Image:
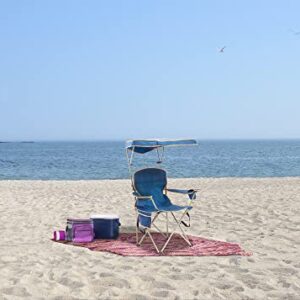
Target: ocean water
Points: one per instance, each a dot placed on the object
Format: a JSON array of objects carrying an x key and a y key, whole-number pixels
[{"x": 106, "y": 160}]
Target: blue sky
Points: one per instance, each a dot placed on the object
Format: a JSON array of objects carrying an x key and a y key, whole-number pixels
[{"x": 90, "y": 70}]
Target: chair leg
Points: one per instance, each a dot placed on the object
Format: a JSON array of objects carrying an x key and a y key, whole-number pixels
[
  {"x": 142, "y": 238},
  {"x": 167, "y": 242},
  {"x": 183, "y": 235},
  {"x": 157, "y": 250},
  {"x": 138, "y": 243},
  {"x": 152, "y": 224},
  {"x": 167, "y": 224},
  {"x": 168, "y": 236},
  {"x": 182, "y": 231},
  {"x": 137, "y": 235},
  {"x": 148, "y": 232}
]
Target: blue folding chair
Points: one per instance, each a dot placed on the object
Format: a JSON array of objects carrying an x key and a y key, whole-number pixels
[{"x": 151, "y": 201}]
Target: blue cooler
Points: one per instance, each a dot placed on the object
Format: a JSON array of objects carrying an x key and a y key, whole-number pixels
[{"x": 106, "y": 226}]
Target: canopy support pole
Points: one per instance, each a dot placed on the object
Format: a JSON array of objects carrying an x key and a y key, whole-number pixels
[
  {"x": 131, "y": 156},
  {"x": 160, "y": 155},
  {"x": 129, "y": 159}
]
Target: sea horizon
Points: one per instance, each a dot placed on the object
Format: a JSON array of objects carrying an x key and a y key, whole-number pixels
[{"x": 142, "y": 138}]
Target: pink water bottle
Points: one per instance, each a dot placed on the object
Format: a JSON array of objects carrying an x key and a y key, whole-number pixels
[{"x": 59, "y": 235}]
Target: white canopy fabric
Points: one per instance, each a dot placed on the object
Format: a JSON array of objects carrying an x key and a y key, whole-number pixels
[{"x": 145, "y": 145}]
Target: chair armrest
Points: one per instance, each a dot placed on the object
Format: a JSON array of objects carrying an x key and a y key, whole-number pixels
[
  {"x": 191, "y": 193},
  {"x": 139, "y": 197}
]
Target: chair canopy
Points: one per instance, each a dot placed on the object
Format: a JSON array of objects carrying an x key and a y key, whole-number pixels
[{"x": 144, "y": 146}]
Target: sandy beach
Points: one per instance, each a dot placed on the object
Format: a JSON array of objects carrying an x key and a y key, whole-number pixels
[{"x": 262, "y": 215}]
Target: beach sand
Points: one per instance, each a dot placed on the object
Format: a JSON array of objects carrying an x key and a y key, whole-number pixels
[{"x": 262, "y": 215}]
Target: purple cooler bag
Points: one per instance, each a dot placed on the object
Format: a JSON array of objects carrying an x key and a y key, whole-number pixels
[{"x": 80, "y": 230}]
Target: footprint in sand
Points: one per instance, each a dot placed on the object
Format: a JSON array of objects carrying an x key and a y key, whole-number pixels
[
  {"x": 105, "y": 274},
  {"x": 119, "y": 283},
  {"x": 163, "y": 285},
  {"x": 239, "y": 289},
  {"x": 223, "y": 286},
  {"x": 71, "y": 283},
  {"x": 182, "y": 277},
  {"x": 138, "y": 297},
  {"x": 15, "y": 291},
  {"x": 147, "y": 278},
  {"x": 235, "y": 261},
  {"x": 161, "y": 294}
]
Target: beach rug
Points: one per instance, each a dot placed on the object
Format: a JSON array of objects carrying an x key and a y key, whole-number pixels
[{"x": 125, "y": 245}]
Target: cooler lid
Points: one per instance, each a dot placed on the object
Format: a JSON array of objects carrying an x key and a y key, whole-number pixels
[{"x": 106, "y": 217}]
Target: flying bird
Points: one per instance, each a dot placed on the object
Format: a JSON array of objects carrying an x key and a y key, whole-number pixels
[{"x": 221, "y": 50}]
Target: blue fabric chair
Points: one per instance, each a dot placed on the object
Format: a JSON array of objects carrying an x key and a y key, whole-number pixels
[{"x": 151, "y": 200}]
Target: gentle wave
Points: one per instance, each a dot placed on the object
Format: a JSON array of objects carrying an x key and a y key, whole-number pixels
[{"x": 106, "y": 160}]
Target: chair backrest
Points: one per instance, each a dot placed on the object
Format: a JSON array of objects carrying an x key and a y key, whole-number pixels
[{"x": 151, "y": 182}]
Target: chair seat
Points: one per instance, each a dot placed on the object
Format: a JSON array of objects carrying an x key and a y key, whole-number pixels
[
  {"x": 169, "y": 207},
  {"x": 174, "y": 207}
]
